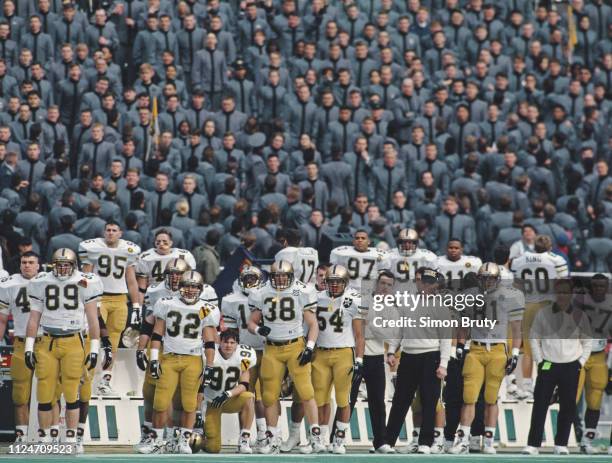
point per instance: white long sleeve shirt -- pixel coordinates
(560, 336)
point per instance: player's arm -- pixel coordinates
(142, 281)
(359, 332)
(156, 339)
(209, 334)
(91, 312)
(133, 289)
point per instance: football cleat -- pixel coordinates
(315, 445)
(244, 444)
(183, 445)
(271, 445)
(489, 449)
(292, 442)
(561, 450)
(423, 450)
(79, 448)
(586, 445)
(448, 445)
(20, 438)
(152, 446)
(460, 448)
(438, 448)
(104, 388)
(338, 445)
(529, 450)
(385, 448)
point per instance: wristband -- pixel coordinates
(157, 337)
(135, 305)
(29, 344)
(94, 346)
(245, 384)
(359, 360)
(154, 354)
(209, 345)
(310, 345)
(515, 351)
(229, 393)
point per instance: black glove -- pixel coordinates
(142, 360)
(305, 356)
(155, 369)
(263, 331)
(357, 373)
(135, 320)
(91, 360)
(207, 376)
(460, 351)
(108, 352)
(511, 364)
(30, 360)
(609, 386)
(220, 400)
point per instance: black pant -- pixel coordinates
(374, 376)
(416, 371)
(564, 376)
(453, 402)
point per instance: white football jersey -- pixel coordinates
(454, 271)
(536, 270)
(154, 293)
(62, 302)
(304, 260)
(110, 264)
(226, 372)
(600, 316)
(282, 310)
(504, 304)
(152, 264)
(360, 265)
(404, 267)
(184, 324)
(335, 317)
(236, 314)
(14, 300)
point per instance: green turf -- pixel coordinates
(353, 457)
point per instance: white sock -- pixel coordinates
(70, 435)
(489, 431)
(466, 432)
(324, 432)
(245, 433)
(261, 425)
(273, 430)
(439, 436)
(159, 434)
(415, 434)
(528, 384)
(23, 429)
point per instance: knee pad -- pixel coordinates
(46, 407)
(72, 405)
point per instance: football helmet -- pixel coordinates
(336, 280)
(64, 262)
(489, 276)
(281, 275)
(251, 277)
(407, 241)
(173, 272)
(191, 286)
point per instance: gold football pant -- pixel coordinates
(486, 367)
(212, 427)
(277, 359)
(183, 370)
(20, 373)
(59, 357)
(113, 309)
(332, 367)
(594, 379)
(254, 376)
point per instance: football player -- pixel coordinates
(305, 260)
(228, 392)
(408, 257)
(340, 348)
(14, 301)
(181, 323)
(487, 362)
(112, 260)
(360, 260)
(175, 268)
(278, 311)
(454, 265)
(151, 263)
(597, 304)
(59, 302)
(236, 314)
(536, 270)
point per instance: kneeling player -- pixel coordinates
(181, 323)
(340, 317)
(228, 392)
(487, 362)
